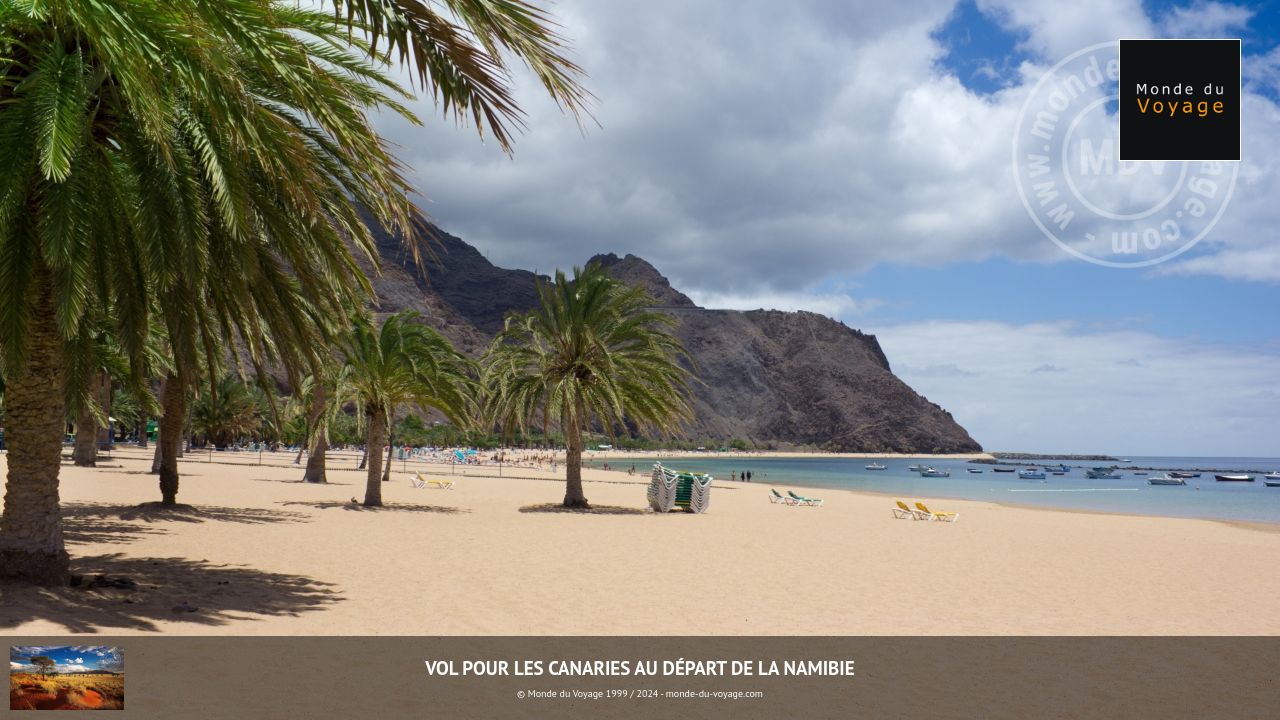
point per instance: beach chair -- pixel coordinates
(423, 482)
(927, 514)
(418, 482)
(904, 511)
(802, 500)
(777, 497)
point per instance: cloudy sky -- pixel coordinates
(67, 658)
(854, 159)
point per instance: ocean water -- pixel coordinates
(1201, 497)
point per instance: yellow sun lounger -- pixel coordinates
(928, 514)
(425, 482)
(904, 511)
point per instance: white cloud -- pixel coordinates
(725, 161)
(1206, 20)
(830, 304)
(1114, 391)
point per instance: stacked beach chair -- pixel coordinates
(669, 490)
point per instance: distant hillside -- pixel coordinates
(781, 379)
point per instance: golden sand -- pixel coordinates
(259, 553)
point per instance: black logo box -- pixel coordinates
(1186, 69)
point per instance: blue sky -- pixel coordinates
(68, 658)
(853, 159)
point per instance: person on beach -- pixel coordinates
(748, 476)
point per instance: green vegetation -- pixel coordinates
(195, 179)
(591, 354)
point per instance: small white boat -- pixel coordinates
(1031, 474)
(1165, 480)
(915, 468)
(930, 472)
(875, 466)
(975, 471)
(1272, 476)
(1233, 478)
(1101, 473)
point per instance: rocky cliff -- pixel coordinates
(779, 379)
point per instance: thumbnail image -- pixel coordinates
(57, 677)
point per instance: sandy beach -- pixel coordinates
(259, 553)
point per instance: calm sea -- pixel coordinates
(1201, 497)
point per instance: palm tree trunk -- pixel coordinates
(173, 401)
(155, 457)
(391, 444)
(86, 450)
(142, 430)
(31, 543)
(104, 438)
(373, 441)
(319, 440)
(573, 495)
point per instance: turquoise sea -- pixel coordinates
(1201, 497)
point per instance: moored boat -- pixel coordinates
(1272, 483)
(975, 471)
(1184, 475)
(1031, 474)
(1165, 480)
(930, 472)
(1233, 478)
(875, 466)
(1272, 476)
(915, 468)
(1002, 469)
(1057, 469)
(1102, 473)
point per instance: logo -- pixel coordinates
(1110, 212)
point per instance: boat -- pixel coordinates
(975, 471)
(1165, 480)
(875, 466)
(1184, 475)
(915, 468)
(1233, 478)
(1031, 474)
(930, 472)
(1102, 473)
(1272, 483)
(1002, 469)
(1055, 469)
(1272, 476)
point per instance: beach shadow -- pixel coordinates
(593, 510)
(298, 482)
(87, 529)
(163, 589)
(389, 507)
(155, 512)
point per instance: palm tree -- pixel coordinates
(202, 166)
(592, 353)
(402, 362)
(320, 399)
(227, 412)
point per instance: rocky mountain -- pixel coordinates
(777, 379)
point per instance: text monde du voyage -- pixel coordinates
(638, 668)
(1180, 99)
